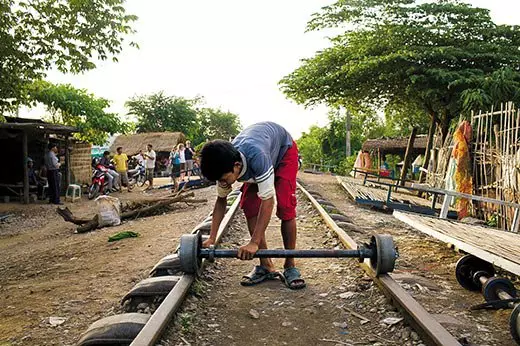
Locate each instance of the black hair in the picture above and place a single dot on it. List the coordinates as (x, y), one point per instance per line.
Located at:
(51, 145)
(106, 153)
(217, 158)
(151, 146)
(119, 148)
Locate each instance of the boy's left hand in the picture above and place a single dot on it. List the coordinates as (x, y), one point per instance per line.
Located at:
(247, 252)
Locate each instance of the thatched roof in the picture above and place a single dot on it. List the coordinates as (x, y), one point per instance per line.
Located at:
(35, 125)
(161, 141)
(395, 145)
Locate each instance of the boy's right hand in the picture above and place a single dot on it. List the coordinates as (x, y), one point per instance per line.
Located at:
(208, 242)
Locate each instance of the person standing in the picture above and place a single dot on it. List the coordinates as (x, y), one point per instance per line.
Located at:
(175, 161)
(121, 163)
(182, 157)
(52, 163)
(149, 165)
(188, 154)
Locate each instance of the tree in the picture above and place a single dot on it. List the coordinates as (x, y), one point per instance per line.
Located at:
(216, 124)
(160, 113)
(310, 144)
(440, 57)
(77, 107)
(70, 35)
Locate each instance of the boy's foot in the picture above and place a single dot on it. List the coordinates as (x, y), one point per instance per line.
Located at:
(293, 278)
(258, 275)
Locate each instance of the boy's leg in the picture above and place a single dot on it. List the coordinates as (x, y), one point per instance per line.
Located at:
(250, 203)
(289, 239)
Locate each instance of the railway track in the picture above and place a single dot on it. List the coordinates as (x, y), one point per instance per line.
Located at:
(140, 329)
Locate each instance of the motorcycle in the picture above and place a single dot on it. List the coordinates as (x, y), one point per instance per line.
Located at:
(99, 181)
(137, 176)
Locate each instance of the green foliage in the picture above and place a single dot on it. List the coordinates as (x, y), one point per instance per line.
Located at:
(215, 124)
(439, 58)
(77, 107)
(70, 35)
(159, 113)
(186, 322)
(310, 144)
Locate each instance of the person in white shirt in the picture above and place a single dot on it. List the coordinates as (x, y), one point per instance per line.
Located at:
(182, 158)
(149, 165)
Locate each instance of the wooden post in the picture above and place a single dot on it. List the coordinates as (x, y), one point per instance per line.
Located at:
(427, 153)
(408, 156)
(445, 206)
(25, 149)
(67, 163)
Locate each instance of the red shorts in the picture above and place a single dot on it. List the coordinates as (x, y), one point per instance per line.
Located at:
(285, 186)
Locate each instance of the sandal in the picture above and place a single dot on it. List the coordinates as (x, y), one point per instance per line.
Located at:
(257, 275)
(293, 278)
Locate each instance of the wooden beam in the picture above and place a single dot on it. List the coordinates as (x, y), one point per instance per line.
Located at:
(408, 156)
(25, 150)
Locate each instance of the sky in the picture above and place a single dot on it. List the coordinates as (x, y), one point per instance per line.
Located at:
(232, 52)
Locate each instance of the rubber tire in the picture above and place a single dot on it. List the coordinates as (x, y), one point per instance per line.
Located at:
(93, 191)
(514, 324)
(140, 180)
(490, 287)
(386, 254)
(470, 264)
(188, 253)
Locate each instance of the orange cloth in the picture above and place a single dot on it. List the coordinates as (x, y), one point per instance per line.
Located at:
(463, 175)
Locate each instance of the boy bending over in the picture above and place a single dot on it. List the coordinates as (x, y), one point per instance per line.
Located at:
(264, 157)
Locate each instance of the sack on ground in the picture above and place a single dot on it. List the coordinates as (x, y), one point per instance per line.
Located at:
(109, 211)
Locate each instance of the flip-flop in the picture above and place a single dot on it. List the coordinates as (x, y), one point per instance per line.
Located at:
(257, 275)
(293, 278)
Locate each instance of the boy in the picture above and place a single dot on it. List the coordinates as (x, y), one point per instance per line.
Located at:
(265, 158)
(149, 165)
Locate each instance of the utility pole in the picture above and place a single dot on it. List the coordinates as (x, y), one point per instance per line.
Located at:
(347, 136)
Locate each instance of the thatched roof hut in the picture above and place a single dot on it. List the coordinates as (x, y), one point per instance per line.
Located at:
(161, 141)
(396, 146)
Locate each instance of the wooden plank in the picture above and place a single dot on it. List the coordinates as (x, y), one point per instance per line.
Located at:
(408, 156)
(421, 224)
(429, 328)
(151, 332)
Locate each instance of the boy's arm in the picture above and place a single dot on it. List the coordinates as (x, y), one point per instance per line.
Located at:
(218, 214)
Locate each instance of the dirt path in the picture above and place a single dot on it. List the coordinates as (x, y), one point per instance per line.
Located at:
(221, 312)
(426, 269)
(47, 270)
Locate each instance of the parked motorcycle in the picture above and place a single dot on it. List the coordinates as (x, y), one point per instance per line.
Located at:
(137, 176)
(99, 181)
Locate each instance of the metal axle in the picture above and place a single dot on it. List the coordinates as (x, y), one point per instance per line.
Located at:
(279, 253)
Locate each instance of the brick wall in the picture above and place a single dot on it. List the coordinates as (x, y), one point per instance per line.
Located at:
(80, 161)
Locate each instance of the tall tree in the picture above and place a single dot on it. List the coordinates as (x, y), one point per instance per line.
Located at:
(217, 124)
(442, 57)
(77, 107)
(36, 35)
(159, 113)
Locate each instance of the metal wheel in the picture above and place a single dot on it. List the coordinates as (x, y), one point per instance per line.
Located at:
(189, 251)
(494, 284)
(514, 324)
(93, 191)
(385, 253)
(467, 266)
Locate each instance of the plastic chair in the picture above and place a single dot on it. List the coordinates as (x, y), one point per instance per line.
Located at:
(73, 192)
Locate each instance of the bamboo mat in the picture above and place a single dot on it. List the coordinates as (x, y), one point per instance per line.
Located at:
(495, 246)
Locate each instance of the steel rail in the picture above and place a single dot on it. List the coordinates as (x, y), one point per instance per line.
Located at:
(425, 324)
(152, 331)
